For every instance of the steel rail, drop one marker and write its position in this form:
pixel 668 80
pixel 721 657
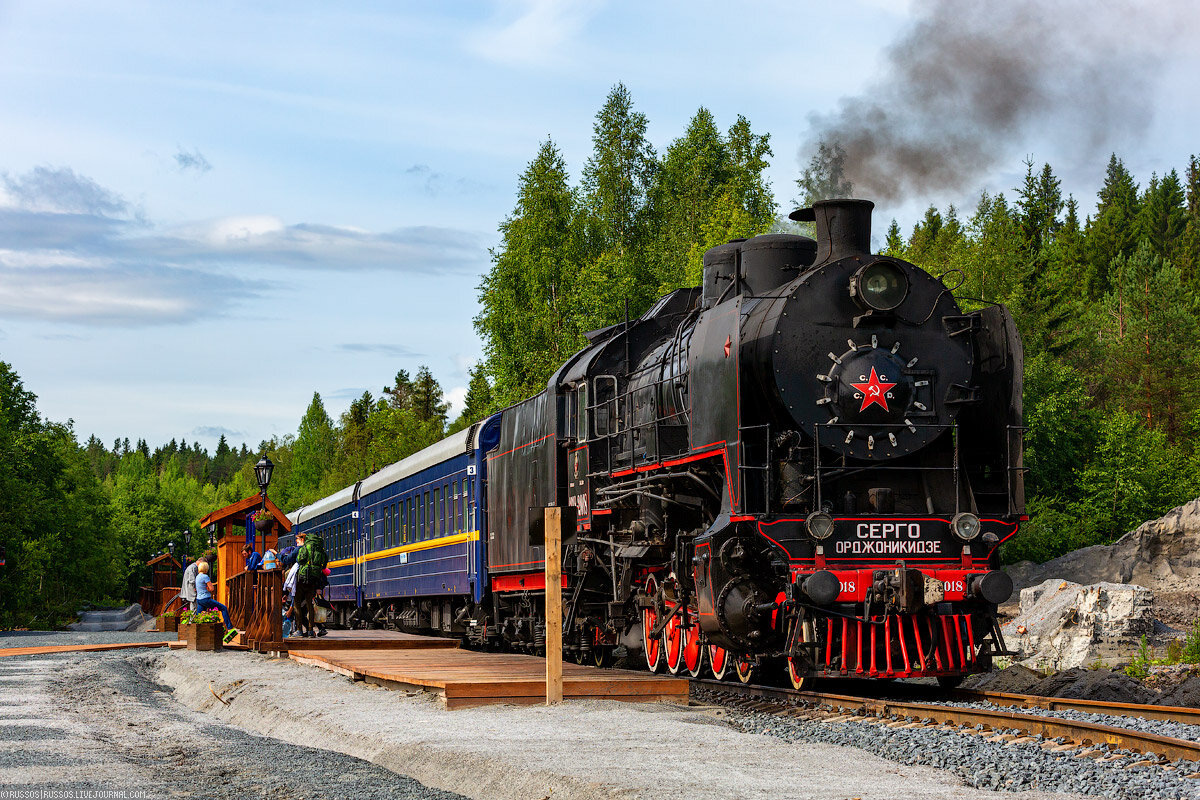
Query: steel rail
pixel 1086 733
pixel 1187 716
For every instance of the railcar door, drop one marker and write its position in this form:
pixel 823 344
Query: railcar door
pixel 359 534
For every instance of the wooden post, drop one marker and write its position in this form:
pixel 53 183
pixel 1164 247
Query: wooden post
pixel 554 681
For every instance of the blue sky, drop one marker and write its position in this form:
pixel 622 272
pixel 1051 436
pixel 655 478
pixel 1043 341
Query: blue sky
pixel 209 211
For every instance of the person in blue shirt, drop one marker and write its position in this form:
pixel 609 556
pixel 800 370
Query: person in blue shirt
pixel 205 600
pixel 253 558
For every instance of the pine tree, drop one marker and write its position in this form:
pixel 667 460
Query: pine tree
pixel 428 405
pixel 894 243
pixel 825 176
pixel 1113 232
pixel 1037 210
pixel 1153 324
pixel 399 393
pixel 1162 218
pixel 1189 247
pixel 478 403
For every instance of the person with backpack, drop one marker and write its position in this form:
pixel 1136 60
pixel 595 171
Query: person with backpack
pixel 312 561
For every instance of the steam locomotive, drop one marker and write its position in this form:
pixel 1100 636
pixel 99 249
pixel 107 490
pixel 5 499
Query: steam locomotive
pixel 806 464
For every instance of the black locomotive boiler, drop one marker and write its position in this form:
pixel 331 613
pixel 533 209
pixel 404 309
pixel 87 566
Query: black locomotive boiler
pixel 810 461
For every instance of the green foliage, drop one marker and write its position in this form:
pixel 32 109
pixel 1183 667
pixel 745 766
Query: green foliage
pixel 1191 645
pixel 574 260
pixel 1111 329
pixel 1139 668
pixel 532 316
pixel 52 517
pixel 479 402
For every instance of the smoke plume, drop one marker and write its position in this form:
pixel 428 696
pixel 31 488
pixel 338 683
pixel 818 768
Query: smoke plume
pixel 970 84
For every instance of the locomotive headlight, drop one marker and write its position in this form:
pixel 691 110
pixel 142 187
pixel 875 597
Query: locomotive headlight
pixel 880 285
pixel 819 525
pixel 965 526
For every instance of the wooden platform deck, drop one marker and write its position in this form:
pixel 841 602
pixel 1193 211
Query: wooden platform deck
pixel 76 648
pixel 368 640
pixel 465 678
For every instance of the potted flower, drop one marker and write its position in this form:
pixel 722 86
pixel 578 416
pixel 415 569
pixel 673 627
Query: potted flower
pixel 168 622
pixel 205 630
pixel 262 519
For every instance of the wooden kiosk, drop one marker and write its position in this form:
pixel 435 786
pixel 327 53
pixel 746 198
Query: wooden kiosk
pixel 254 599
pixel 164 584
pixel 228 525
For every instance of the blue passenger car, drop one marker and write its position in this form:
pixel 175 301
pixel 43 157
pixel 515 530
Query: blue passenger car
pixel 406 545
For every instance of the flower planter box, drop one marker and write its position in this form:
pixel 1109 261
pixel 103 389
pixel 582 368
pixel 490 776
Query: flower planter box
pixel 168 624
pixel 183 631
pixel 205 636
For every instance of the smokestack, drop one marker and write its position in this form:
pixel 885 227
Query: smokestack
pixel 843 227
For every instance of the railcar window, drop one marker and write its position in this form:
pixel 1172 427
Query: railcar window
pixel 371 531
pixel 387 526
pixel 405 505
pixel 429 524
pixel 462 505
pixel 437 513
pixel 421 518
pixel 471 521
pixel 412 521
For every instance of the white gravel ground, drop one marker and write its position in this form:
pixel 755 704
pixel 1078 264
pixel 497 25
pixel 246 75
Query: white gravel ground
pixel 581 749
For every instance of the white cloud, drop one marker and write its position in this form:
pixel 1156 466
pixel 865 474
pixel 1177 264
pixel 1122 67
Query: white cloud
pixel 72 253
pixel 543 32
pixel 457 398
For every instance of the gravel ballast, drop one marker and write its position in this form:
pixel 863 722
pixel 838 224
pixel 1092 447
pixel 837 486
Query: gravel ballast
pixel 580 749
pixel 984 764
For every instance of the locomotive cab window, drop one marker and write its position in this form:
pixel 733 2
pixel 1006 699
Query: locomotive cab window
pixel 605 393
pixel 581 405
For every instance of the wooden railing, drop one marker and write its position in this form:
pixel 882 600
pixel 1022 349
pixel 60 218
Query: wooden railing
pixel 255 607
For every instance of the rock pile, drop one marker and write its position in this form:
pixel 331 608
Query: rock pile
pixel 1063 624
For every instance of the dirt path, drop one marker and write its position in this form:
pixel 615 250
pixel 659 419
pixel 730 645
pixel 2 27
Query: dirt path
pixel 93 722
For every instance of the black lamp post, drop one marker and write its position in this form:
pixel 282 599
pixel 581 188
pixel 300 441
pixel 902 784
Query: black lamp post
pixel 262 471
pixel 187 540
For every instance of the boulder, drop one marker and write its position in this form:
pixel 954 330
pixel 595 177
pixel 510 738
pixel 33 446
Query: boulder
pixel 1063 624
pixel 1162 555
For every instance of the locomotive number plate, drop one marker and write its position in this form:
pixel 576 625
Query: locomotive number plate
pixel 876 537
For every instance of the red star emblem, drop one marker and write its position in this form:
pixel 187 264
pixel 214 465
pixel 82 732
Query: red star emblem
pixel 873 391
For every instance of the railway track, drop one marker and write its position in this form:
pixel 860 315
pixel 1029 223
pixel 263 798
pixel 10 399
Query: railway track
pixel 1085 739
pixel 1181 714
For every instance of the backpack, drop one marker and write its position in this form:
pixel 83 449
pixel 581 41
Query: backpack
pixel 287 556
pixel 313 569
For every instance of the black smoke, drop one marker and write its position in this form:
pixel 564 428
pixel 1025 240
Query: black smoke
pixel 972 84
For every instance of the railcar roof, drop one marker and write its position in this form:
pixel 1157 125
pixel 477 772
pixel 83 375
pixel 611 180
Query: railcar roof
pixel 453 445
